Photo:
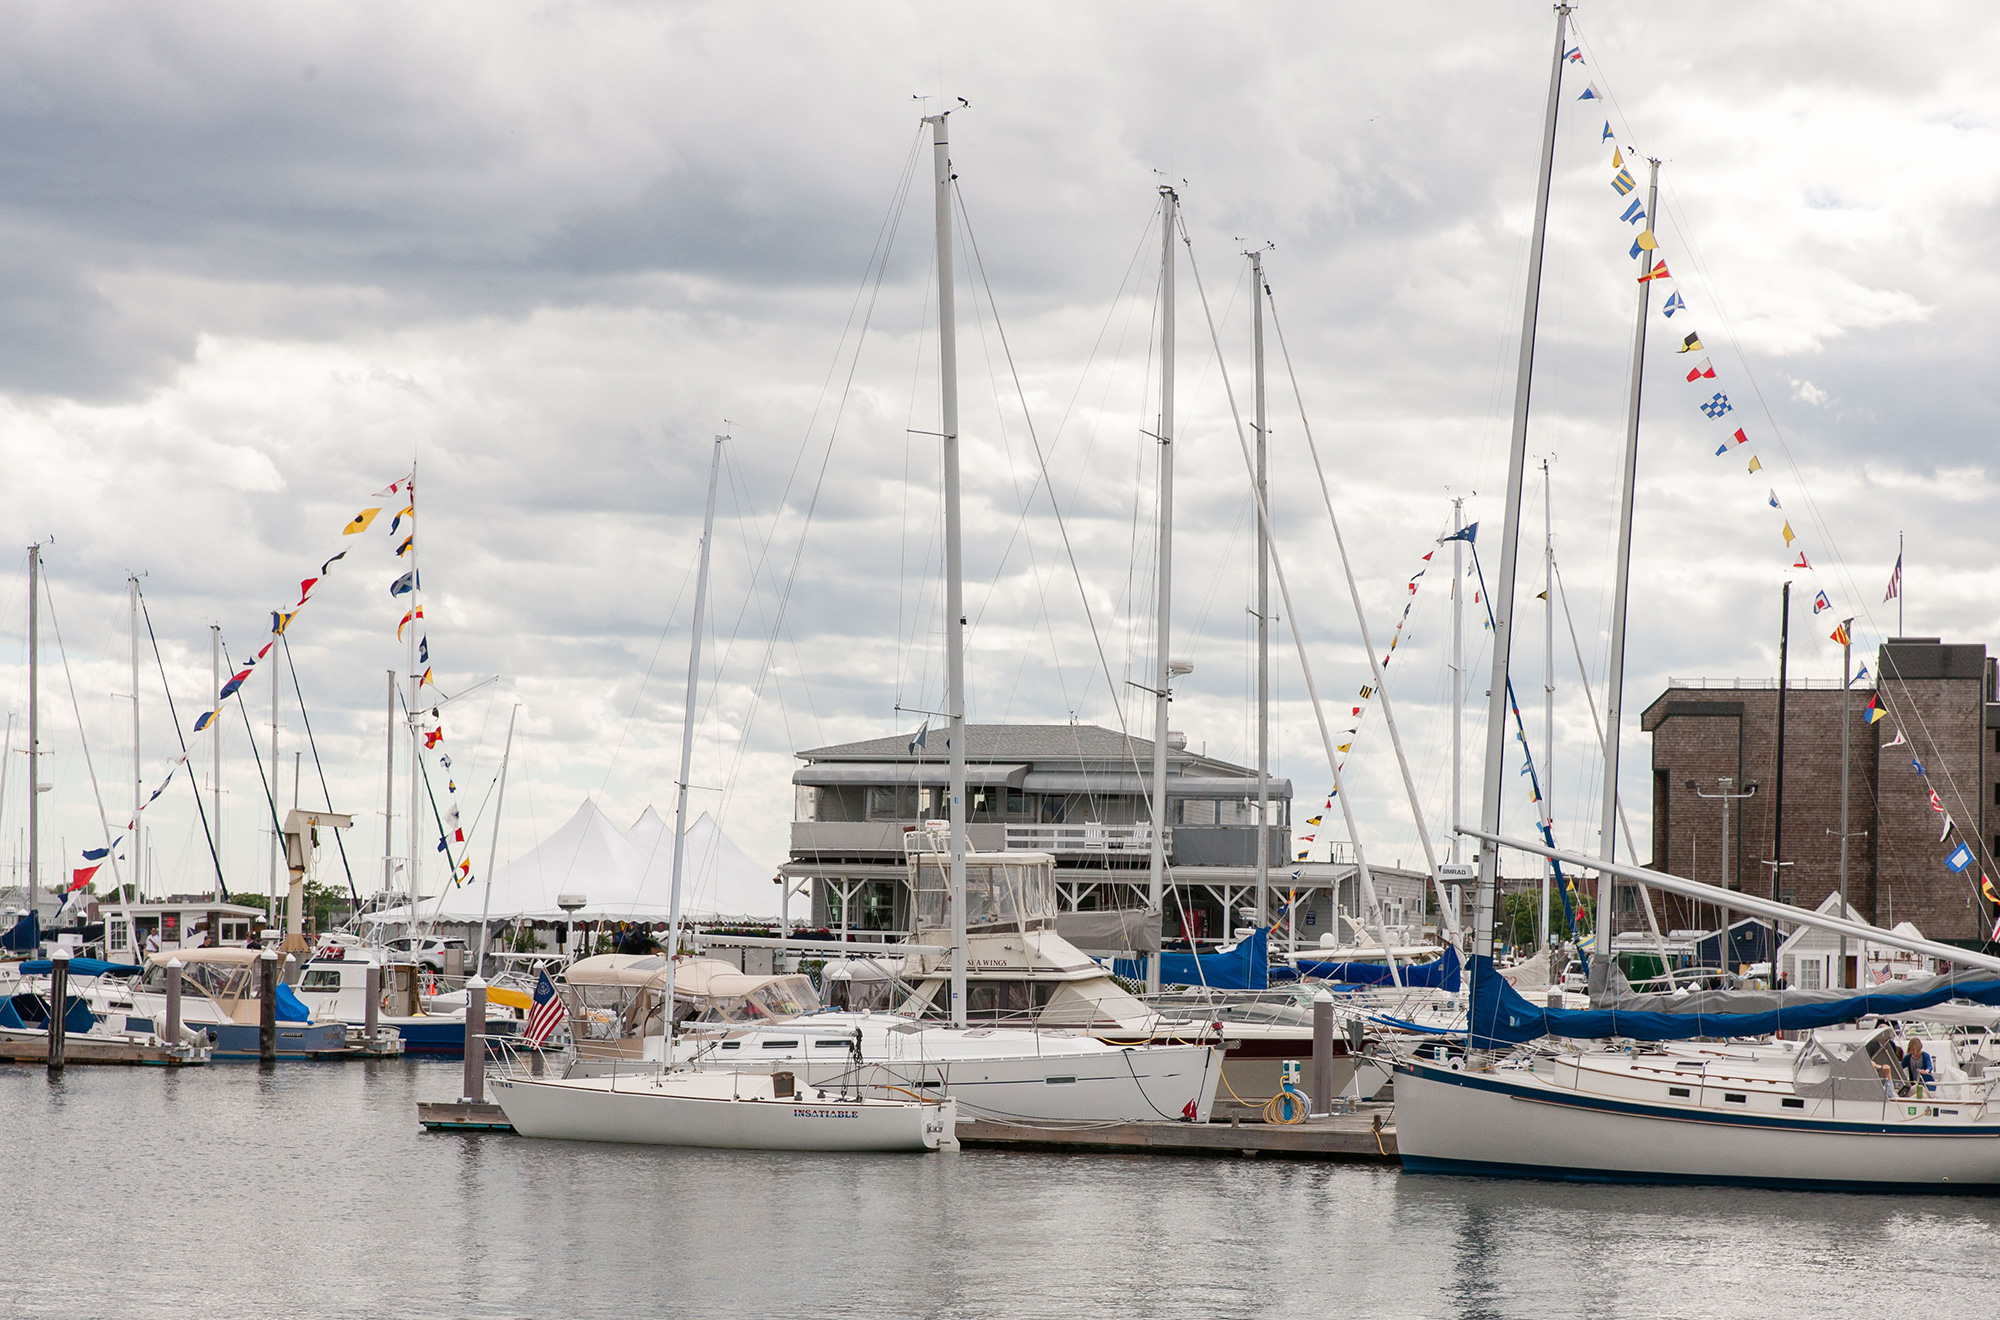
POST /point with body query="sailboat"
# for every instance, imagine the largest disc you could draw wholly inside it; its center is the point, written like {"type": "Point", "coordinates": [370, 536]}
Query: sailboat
{"type": "Point", "coordinates": [736, 1108]}
{"type": "Point", "coordinates": [1829, 1112]}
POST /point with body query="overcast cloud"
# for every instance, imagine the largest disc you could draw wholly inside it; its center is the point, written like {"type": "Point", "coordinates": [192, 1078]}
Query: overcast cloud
{"type": "Point", "coordinates": [257, 259]}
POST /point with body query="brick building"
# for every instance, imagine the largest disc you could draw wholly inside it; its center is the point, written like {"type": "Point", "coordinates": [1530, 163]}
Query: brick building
{"type": "Point", "coordinates": [1943, 699]}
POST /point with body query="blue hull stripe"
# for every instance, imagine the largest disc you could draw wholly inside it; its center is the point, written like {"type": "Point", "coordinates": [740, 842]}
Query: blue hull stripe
{"type": "Point", "coordinates": [1543, 1173]}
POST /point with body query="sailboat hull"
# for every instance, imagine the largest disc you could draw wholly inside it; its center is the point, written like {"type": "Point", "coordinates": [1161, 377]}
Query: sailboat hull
{"type": "Point", "coordinates": [1521, 1126]}
{"type": "Point", "coordinates": [705, 1111]}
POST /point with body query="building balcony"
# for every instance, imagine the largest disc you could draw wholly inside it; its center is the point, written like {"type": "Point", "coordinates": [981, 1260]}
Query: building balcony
{"type": "Point", "coordinates": [1066, 840]}
{"type": "Point", "coordinates": [851, 838]}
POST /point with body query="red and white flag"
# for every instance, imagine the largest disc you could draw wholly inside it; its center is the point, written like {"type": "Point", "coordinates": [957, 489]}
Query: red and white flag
{"type": "Point", "coordinates": [547, 1012]}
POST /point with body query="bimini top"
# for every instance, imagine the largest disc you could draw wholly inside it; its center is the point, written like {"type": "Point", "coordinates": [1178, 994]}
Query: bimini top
{"type": "Point", "coordinates": [80, 967]}
{"type": "Point", "coordinates": [207, 954]}
{"type": "Point", "coordinates": [617, 969]}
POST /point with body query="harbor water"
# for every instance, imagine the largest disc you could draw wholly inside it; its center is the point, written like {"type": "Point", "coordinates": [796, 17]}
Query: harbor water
{"type": "Point", "coordinates": [309, 1190]}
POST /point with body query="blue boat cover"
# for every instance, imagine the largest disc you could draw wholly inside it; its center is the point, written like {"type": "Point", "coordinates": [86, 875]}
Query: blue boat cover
{"type": "Point", "coordinates": [291, 1008]}
{"type": "Point", "coordinates": [80, 967]}
{"type": "Point", "coordinates": [1503, 1017]}
{"type": "Point", "coordinates": [1442, 973]}
{"type": "Point", "coordinates": [77, 1017]}
{"type": "Point", "coordinates": [25, 935]}
{"type": "Point", "coordinates": [1245, 967]}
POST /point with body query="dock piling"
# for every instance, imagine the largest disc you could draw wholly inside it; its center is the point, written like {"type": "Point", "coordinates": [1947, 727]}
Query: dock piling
{"type": "Point", "coordinates": [1322, 1083]}
{"type": "Point", "coordinates": [372, 1015]}
{"type": "Point", "coordinates": [267, 1006]}
{"type": "Point", "coordinates": [173, 1032]}
{"type": "Point", "coordinates": [475, 1041]}
{"type": "Point", "coordinates": [58, 1001]}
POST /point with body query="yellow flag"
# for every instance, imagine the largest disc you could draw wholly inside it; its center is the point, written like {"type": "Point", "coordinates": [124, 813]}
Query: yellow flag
{"type": "Point", "coordinates": [1346, 746]}
{"type": "Point", "coordinates": [360, 523]}
{"type": "Point", "coordinates": [1790, 536]}
{"type": "Point", "coordinates": [1755, 464]}
{"type": "Point", "coordinates": [1617, 159]}
{"type": "Point", "coordinates": [1647, 241]}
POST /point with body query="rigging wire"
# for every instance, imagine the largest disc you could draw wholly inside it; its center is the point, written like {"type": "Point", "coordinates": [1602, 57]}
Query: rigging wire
{"type": "Point", "coordinates": [173, 714]}
{"type": "Point", "coordinates": [313, 744]}
{"type": "Point", "coordinates": [34, 774]}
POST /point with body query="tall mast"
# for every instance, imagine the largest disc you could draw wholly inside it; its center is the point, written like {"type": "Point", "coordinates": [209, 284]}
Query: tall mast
{"type": "Point", "coordinates": [34, 721]}
{"type": "Point", "coordinates": [215, 746]}
{"type": "Point", "coordinates": [1846, 678]}
{"type": "Point", "coordinates": [1510, 533]}
{"type": "Point", "coordinates": [415, 862]}
{"type": "Point", "coordinates": [493, 846]}
{"type": "Point", "coordinates": [1778, 799]}
{"type": "Point", "coordinates": [687, 756]}
{"type": "Point", "coordinates": [138, 769]}
{"type": "Point", "coordinates": [277, 843]}
{"type": "Point", "coordinates": [389, 794]}
{"type": "Point", "coordinates": [1621, 585]}
{"type": "Point", "coordinates": [1163, 620]}
{"type": "Point", "coordinates": [954, 563]}
{"type": "Point", "coordinates": [1545, 806]}
{"type": "Point", "coordinates": [1457, 673]}
{"type": "Point", "coordinates": [1263, 607]}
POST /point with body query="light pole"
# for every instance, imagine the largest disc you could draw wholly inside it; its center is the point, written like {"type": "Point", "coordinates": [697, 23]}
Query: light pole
{"type": "Point", "coordinates": [1726, 797]}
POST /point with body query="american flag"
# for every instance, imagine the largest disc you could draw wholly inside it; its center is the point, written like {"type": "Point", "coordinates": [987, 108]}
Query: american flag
{"type": "Point", "coordinates": [547, 1013]}
{"type": "Point", "coordinates": [1895, 581]}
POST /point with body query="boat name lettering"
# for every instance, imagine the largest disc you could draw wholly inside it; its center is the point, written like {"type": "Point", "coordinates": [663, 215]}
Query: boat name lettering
{"type": "Point", "coordinates": [826, 1113]}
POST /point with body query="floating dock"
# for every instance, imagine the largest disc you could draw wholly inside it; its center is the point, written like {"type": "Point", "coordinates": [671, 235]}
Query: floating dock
{"type": "Point", "coordinates": [458, 1116]}
{"type": "Point", "coordinates": [1367, 1135]}
{"type": "Point", "coordinates": [94, 1050]}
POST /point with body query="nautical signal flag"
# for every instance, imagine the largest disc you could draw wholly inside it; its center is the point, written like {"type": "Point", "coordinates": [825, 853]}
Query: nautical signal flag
{"type": "Point", "coordinates": [282, 619]}
{"type": "Point", "coordinates": [404, 548]}
{"type": "Point", "coordinates": [205, 720]}
{"type": "Point", "coordinates": [1575, 56]}
{"type": "Point", "coordinates": [1986, 888]}
{"type": "Point", "coordinates": [416, 613]}
{"type": "Point", "coordinates": [1739, 437]}
{"type": "Point", "coordinates": [1658, 272]}
{"type": "Point", "coordinates": [1757, 465]}
{"type": "Point", "coordinates": [360, 523]}
{"type": "Point", "coordinates": [1961, 857]}
{"type": "Point", "coordinates": [80, 878]}
{"type": "Point", "coordinates": [1790, 535]}
{"type": "Point", "coordinates": [1841, 637]}
{"type": "Point", "coordinates": [1801, 561]}
{"type": "Point", "coordinates": [1716, 406]}
{"type": "Point", "coordinates": [1634, 212]}
{"type": "Point", "coordinates": [1820, 602]}
{"type": "Point", "coordinates": [1776, 505]}
{"type": "Point", "coordinates": [410, 511]}
{"type": "Point", "coordinates": [1702, 371]}
{"type": "Point", "coordinates": [1590, 93]}
{"type": "Point", "coordinates": [1898, 741]}
{"type": "Point", "coordinates": [1607, 132]}
{"type": "Point", "coordinates": [1692, 344]}
{"type": "Point", "coordinates": [403, 585]}
{"type": "Point", "coordinates": [433, 738]}
{"type": "Point", "coordinates": [1876, 710]}
{"type": "Point", "coordinates": [1617, 159]}
{"type": "Point", "coordinates": [1673, 304]}
{"type": "Point", "coordinates": [1644, 243]}
{"type": "Point", "coordinates": [235, 681]}
{"type": "Point", "coordinates": [1624, 182]}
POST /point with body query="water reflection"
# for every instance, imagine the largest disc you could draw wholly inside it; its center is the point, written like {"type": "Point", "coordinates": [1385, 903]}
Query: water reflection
{"type": "Point", "coordinates": [309, 1190]}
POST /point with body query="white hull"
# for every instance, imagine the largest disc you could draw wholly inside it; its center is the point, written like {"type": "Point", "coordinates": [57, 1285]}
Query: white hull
{"type": "Point", "coordinates": [713, 1111]}
{"type": "Point", "coordinates": [1514, 1124]}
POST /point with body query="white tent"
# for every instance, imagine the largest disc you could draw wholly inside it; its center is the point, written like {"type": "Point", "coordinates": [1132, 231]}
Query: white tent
{"type": "Point", "coordinates": [588, 856]}
{"type": "Point", "coordinates": [716, 876]}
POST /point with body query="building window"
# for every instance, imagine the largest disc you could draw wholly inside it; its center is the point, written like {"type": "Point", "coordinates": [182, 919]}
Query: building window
{"type": "Point", "coordinates": [1194, 811]}
{"type": "Point", "coordinates": [119, 936]}
{"type": "Point", "coordinates": [1809, 975]}
{"type": "Point", "coordinates": [805, 803]}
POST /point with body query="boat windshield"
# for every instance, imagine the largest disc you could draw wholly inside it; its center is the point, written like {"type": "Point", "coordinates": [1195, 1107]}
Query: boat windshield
{"type": "Point", "coordinates": [997, 894]}
{"type": "Point", "coordinates": [780, 997]}
{"type": "Point", "coordinates": [219, 980]}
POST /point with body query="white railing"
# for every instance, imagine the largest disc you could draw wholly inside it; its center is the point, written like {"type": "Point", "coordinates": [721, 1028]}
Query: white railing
{"type": "Point", "coordinates": [1085, 838]}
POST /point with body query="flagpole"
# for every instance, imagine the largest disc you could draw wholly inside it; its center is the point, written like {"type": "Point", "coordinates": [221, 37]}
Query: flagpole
{"type": "Point", "coordinates": [1621, 586]}
{"type": "Point", "coordinates": [1899, 585]}
{"type": "Point", "coordinates": [1778, 799]}
{"type": "Point", "coordinates": [1510, 535]}
{"type": "Point", "coordinates": [1548, 691]}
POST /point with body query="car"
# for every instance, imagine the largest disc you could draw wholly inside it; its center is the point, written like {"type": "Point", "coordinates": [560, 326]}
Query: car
{"type": "Point", "coordinates": [430, 956]}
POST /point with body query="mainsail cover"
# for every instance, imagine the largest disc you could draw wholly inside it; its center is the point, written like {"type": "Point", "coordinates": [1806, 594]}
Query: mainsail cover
{"type": "Point", "coordinates": [1502, 1016]}
{"type": "Point", "coordinates": [1441, 973]}
{"type": "Point", "coordinates": [1245, 967]}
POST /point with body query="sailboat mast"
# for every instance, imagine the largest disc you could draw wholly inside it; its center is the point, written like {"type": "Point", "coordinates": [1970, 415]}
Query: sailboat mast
{"type": "Point", "coordinates": [1457, 673]}
{"type": "Point", "coordinates": [1263, 606]}
{"type": "Point", "coordinates": [277, 843]}
{"type": "Point", "coordinates": [389, 791]}
{"type": "Point", "coordinates": [138, 774]}
{"type": "Point", "coordinates": [954, 562]}
{"type": "Point", "coordinates": [34, 721]}
{"type": "Point", "coordinates": [1621, 586]}
{"type": "Point", "coordinates": [1545, 806]}
{"type": "Point", "coordinates": [493, 845]}
{"type": "Point", "coordinates": [215, 747]}
{"type": "Point", "coordinates": [416, 730]}
{"type": "Point", "coordinates": [1510, 533]}
{"type": "Point", "coordinates": [1163, 614]}
{"type": "Point", "coordinates": [687, 756]}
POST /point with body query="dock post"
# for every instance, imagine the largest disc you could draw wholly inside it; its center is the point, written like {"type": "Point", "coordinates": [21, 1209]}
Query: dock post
{"type": "Point", "coordinates": [475, 1041]}
{"type": "Point", "coordinates": [290, 975]}
{"type": "Point", "coordinates": [58, 1002]}
{"type": "Point", "coordinates": [173, 1032]}
{"type": "Point", "coordinates": [372, 1016]}
{"type": "Point", "coordinates": [1322, 1083]}
{"type": "Point", "coordinates": [267, 1006]}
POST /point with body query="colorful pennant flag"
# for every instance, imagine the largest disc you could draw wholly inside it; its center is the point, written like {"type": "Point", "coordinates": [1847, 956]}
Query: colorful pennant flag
{"type": "Point", "coordinates": [1716, 406]}
{"type": "Point", "coordinates": [1757, 465]}
{"type": "Point", "coordinates": [1590, 93]}
{"type": "Point", "coordinates": [1692, 344]}
{"type": "Point", "coordinates": [1624, 182]}
{"type": "Point", "coordinates": [1800, 562]}
{"type": "Point", "coordinates": [1790, 535]}
{"type": "Point", "coordinates": [1876, 710]}
{"type": "Point", "coordinates": [1701, 371]}
{"type": "Point", "coordinates": [1673, 304]}
{"type": "Point", "coordinates": [360, 522]}
{"type": "Point", "coordinates": [1840, 637]}
{"type": "Point", "coordinates": [1658, 272]}
{"type": "Point", "coordinates": [1961, 857]}
{"type": "Point", "coordinates": [1820, 602]}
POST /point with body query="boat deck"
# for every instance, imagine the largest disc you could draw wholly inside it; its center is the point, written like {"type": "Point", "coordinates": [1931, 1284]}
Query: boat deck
{"type": "Point", "coordinates": [1368, 1135]}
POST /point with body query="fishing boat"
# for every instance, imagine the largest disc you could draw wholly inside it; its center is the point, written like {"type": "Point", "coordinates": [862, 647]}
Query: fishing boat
{"type": "Point", "coordinates": [335, 989]}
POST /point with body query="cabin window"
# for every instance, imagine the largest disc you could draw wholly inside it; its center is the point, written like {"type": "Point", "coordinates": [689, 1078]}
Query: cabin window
{"type": "Point", "coordinates": [320, 978]}
{"type": "Point", "coordinates": [781, 1044]}
{"type": "Point", "coordinates": [999, 999]}
{"type": "Point", "coordinates": [1059, 1081]}
{"type": "Point", "coordinates": [1735, 1099]}
{"type": "Point", "coordinates": [1680, 1091]}
{"type": "Point", "coordinates": [732, 1044]}
{"type": "Point", "coordinates": [830, 1044]}
{"type": "Point", "coordinates": [1792, 1102]}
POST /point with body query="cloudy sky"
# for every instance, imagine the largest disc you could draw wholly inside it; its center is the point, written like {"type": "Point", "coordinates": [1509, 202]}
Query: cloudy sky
{"type": "Point", "coordinates": [258, 261]}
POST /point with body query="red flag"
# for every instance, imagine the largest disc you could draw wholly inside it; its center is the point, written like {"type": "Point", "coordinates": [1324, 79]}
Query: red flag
{"type": "Point", "coordinates": [433, 738]}
{"type": "Point", "coordinates": [1802, 561]}
{"type": "Point", "coordinates": [82, 877]}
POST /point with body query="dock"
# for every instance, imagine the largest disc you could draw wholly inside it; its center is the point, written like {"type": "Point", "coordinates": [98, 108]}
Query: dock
{"type": "Point", "coordinates": [459, 1116]}
{"type": "Point", "coordinates": [1366, 1136]}
{"type": "Point", "coordinates": [92, 1050]}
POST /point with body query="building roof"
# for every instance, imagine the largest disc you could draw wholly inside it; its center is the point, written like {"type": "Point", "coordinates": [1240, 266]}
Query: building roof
{"type": "Point", "coordinates": [1044, 744]}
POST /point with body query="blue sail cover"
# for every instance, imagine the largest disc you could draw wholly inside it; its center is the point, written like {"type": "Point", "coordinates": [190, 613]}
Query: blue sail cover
{"type": "Point", "coordinates": [24, 936]}
{"type": "Point", "coordinates": [1503, 1017]}
{"type": "Point", "coordinates": [1441, 973]}
{"type": "Point", "coordinates": [80, 967]}
{"type": "Point", "coordinates": [291, 1008]}
{"type": "Point", "coordinates": [1245, 967]}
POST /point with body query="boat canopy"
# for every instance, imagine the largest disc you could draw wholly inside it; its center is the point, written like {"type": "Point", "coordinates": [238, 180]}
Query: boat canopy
{"type": "Point", "coordinates": [1442, 973]}
{"type": "Point", "coordinates": [1502, 1016]}
{"type": "Point", "coordinates": [80, 967]}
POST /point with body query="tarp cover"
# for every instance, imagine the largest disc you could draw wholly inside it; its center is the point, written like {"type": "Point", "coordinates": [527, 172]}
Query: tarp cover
{"type": "Point", "coordinates": [1245, 967]}
{"type": "Point", "coordinates": [1441, 973]}
{"type": "Point", "coordinates": [1502, 1016]}
{"type": "Point", "coordinates": [291, 1008]}
{"type": "Point", "coordinates": [80, 967]}
{"type": "Point", "coordinates": [25, 935]}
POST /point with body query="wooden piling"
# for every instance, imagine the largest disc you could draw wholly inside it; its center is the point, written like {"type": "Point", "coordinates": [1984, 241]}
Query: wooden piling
{"type": "Point", "coordinates": [58, 1001]}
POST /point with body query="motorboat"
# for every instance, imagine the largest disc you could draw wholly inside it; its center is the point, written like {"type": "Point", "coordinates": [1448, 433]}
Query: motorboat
{"type": "Point", "coordinates": [99, 1023]}
{"type": "Point", "coordinates": [221, 994]}
{"type": "Point", "coordinates": [615, 1001]}
{"type": "Point", "coordinates": [722, 1110]}
{"type": "Point", "coordinates": [335, 989]}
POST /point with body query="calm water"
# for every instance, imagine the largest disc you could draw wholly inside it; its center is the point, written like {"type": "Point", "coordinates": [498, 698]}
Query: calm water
{"type": "Point", "coordinates": [311, 1191]}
